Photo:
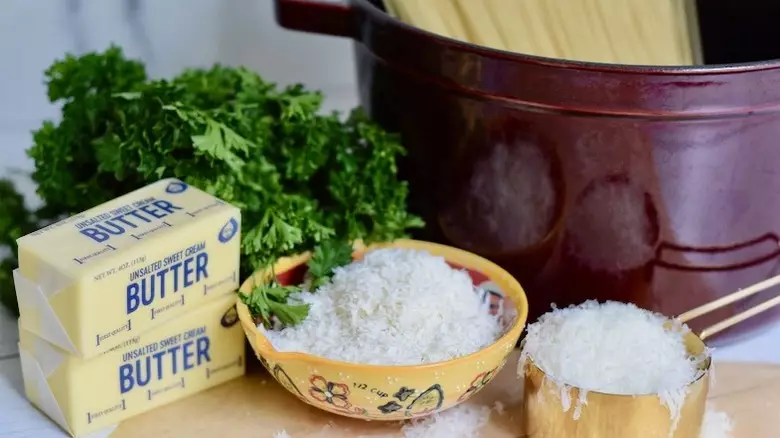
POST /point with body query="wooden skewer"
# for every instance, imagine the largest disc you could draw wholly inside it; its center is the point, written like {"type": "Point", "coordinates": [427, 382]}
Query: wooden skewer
{"type": "Point", "coordinates": [729, 299]}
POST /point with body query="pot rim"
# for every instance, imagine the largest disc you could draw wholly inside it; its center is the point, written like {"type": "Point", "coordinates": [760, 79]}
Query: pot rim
{"type": "Point", "coordinates": [702, 69]}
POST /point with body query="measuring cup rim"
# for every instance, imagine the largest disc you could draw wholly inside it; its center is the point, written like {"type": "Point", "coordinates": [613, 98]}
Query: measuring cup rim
{"type": "Point", "coordinates": [705, 368]}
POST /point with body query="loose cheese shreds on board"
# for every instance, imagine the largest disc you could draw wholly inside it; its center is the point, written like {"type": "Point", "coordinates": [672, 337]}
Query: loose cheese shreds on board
{"type": "Point", "coordinates": [393, 307]}
{"type": "Point", "coordinates": [282, 434]}
{"type": "Point", "coordinates": [464, 421]}
{"type": "Point", "coordinates": [716, 424]}
{"type": "Point", "coordinates": [613, 348]}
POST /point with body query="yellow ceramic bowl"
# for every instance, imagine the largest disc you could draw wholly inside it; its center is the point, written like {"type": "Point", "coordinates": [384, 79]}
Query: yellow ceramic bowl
{"type": "Point", "coordinates": [393, 392]}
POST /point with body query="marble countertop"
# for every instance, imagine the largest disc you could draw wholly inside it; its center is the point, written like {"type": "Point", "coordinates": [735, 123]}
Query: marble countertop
{"type": "Point", "coordinates": [168, 36]}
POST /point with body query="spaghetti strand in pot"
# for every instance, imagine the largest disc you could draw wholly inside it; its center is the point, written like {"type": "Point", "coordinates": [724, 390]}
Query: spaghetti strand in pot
{"type": "Point", "coordinates": [657, 32]}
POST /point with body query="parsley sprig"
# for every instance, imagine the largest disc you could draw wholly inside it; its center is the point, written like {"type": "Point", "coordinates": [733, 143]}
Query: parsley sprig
{"type": "Point", "coordinates": [325, 259]}
{"type": "Point", "coordinates": [272, 299]}
{"type": "Point", "coordinates": [300, 177]}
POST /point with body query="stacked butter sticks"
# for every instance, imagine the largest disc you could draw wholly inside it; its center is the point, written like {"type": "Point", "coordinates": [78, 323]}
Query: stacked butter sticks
{"type": "Point", "coordinates": [130, 305]}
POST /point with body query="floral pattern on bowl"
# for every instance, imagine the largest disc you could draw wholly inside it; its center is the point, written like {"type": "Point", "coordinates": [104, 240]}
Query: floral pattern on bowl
{"type": "Point", "coordinates": [395, 392]}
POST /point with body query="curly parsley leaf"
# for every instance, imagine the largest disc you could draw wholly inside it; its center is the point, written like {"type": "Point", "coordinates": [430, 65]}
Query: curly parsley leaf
{"type": "Point", "coordinates": [325, 259]}
{"type": "Point", "coordinates": [16, 220]}
{"type": "Point", "coordinates": [270, 299]}
{"type": "Point", "coordinates": [289, 314]}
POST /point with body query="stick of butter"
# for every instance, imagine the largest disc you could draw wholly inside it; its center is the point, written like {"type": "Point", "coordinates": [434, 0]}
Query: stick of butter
{"type": "Point", "coordinates": [94, 280]}
{"type": "Point", "coordinates": [194, 352]}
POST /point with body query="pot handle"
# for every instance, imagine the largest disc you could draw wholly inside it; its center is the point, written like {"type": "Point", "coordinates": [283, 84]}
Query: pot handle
{"type": "Point", "coordinates": [323, 17]}
{"type": "Point", "coordinates": [773, 252]}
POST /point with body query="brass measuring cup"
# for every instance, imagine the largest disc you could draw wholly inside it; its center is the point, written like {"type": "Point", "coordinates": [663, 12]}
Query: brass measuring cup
{"type": "Point", "coordinates": [632, 416]}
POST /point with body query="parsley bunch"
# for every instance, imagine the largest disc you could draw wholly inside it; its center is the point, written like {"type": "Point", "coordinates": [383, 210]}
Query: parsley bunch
{"type": "Point", "coordinates": [299, 176]}
{"type": "Point", "coordinates": [15, 222]}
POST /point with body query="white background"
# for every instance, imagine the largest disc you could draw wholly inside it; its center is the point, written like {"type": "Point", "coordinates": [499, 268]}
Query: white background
{"type": "Point", "coordinates": [168, 35]}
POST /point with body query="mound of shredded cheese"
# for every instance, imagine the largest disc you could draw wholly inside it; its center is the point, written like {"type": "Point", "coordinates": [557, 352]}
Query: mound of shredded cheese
{"type": "Point", "coordinates": [463, 421]}
{"type": "Point", "coordinates": [613, 348]}
{"type": "Point", "coordinates": [716, 424]}
{"type": "Point", "coordinates": [393, 307]}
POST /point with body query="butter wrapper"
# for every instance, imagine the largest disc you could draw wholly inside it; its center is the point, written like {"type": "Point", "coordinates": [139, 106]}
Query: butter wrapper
{"type": "Point", "coordinates": [99, 278]}
{"type": "Point", "coordinates": [201, 349]}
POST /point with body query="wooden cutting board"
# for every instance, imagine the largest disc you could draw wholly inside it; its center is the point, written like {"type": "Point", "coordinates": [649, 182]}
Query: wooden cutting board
{"type": "Point", "coordinates": [256, 407]}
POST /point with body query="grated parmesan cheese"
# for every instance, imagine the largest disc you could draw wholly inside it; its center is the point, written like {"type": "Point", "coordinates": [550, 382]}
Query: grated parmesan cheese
{"type": "Point", "coordinates": [463, 421]}
{"type": "Point", "coordinates": [393, 307]}
{"type": "Point", "coordinates": [716, 424]}
{"type": "Point", "coordinates": [282, 434]}
{"type": "Point", "coordinates": [612, 348]}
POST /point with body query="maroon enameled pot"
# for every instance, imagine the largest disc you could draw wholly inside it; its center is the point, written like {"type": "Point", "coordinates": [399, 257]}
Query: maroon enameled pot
{"type": "Point", "coordinates": [654, 185]}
